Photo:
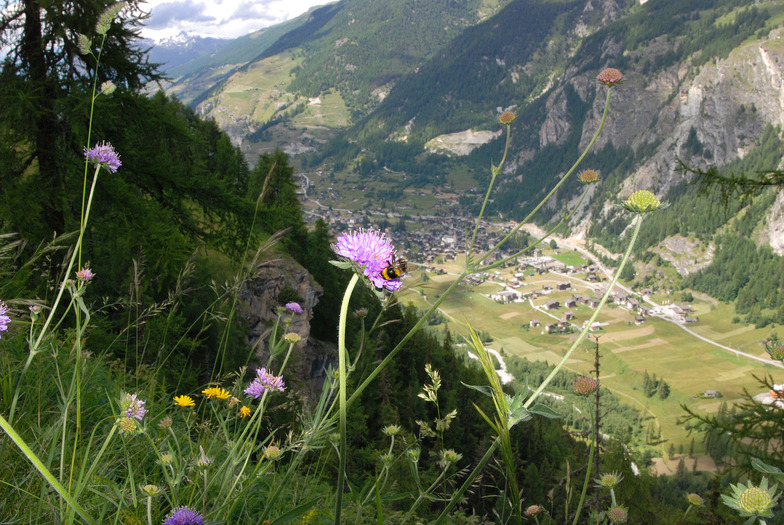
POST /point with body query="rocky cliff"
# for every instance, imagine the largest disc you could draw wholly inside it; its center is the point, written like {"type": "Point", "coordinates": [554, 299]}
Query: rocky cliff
{"type": "Point", "coordinates": [260, 305]}
{"type": "Point", "coordinates": [724, 104]}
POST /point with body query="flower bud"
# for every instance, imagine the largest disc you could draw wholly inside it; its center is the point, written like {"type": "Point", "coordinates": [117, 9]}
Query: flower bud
{"type": "Point", "coordinates": [610, 76]}
{"type": "Point", "coordinates": [292, 338]}
{"type": "Point", "coordinates": [584, 386]}
{"type": "Point", "coordinates": [589, 176]}
{"type": "Point", "coordinates": [506, 118]}
{"type": "Point", "coordinates": [272, 452]}
{"type": "Point", "coordinates": [617, 514]}
{"type": "Point", "coordinates": [391, 430]}
{"type": "Point", "coordinates": [151, 490]}
{"type": "Point", "coordinates": [533, 510]}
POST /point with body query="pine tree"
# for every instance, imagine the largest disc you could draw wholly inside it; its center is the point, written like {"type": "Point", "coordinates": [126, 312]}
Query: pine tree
{"type": "Point", "coordinates": [664, 390]}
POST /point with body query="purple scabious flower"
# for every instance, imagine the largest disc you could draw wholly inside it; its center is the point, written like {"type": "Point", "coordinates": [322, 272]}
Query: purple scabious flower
{"type": "Point", "coordinates": [372, 251]}
{"type": "Point", "coordinates": [85, 274]}
{"type": "Point", "coordinates": [183, 516]}
{"type": "Point", "coordinates": [264, 382]}
{"type": "Point", "coordinates": [294, 307]}
{"type": "Point", "coordinates": [4, 318]}
{"type": "Point", "coordinates": [104, 155]}
{"type": "Point", "coordinates": [133, 407]}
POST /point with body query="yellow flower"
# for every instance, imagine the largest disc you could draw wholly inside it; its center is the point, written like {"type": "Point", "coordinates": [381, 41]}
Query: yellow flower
{"type": "Point", "coordinates": [184, 401]}
{"type": "Point", "coordinates": [244, 411]}
{"type": "Point", "coordinates": [216, 391]}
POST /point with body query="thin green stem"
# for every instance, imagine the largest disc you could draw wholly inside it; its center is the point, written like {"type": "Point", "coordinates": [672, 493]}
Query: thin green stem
{"type": "Point", "coordinates": [560, 183]}
{"type": "Point", "coordinates": [468, 481]}
{"type": "Point", "coordinates": [422, 495]}
{"type": "Point", "coordinates": [590, 322]}
{"type": "Point", "coordinates": [71, 262]}
{"type": "Point", "coordinates": [20, 443]}
{"type": "Point", "coordinates": [495, 170]}
{"type": "Point", "coordinates": [342, 394]}
{"type": "Point", "coordinates": [585, 483]}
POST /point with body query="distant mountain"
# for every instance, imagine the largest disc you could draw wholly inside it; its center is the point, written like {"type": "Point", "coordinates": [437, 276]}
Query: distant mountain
{"type": "Point", "coordinates": [177, 50]}
{"type": "Point", "coordinates": [416, 87]}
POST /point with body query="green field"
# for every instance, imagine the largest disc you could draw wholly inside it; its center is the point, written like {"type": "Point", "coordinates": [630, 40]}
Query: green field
{"type": "Point", "coordinates": [688, 364]}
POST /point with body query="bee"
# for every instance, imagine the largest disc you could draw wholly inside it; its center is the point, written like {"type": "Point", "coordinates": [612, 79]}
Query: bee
{"type": "Point", "coordinates": [396, 268]}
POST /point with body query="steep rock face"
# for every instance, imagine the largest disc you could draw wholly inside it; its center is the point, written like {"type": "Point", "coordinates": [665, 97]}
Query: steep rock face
{"type": "Point", "coordinates": [259, 307]}
{"type": "Point", "coordinates": [774, 232]}
{"type": "Point", "coordinates": [725, 104]}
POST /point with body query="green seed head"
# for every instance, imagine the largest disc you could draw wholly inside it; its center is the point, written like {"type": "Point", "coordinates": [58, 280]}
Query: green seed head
{"type": "Point", "coordinates": [642, 201]}
{"type": "Point", "coordinates": [610, 480]}
{"type": "Point", "coordinates": [694, 499]}
{"type": "Point", "coordinates": [754, 500]}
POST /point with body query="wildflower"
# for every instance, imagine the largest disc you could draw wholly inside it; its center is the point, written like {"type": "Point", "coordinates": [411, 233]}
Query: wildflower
{"type": "Point", "coordinates": [387, 458]}
{"type": "Point", "coordinates": [233, 401]}
{"type": "Point", "coordinates": [133, 407]}
{"type": "Point", "coordinates": [244, 411]}
{"type": "Point", "coordinates": [449, 457]}
{"type": "Point", "coordinates": [108, 87]}
{"type": "Point", "coordinates": [360, 313]}
{"type": "Point", "coordinates": [216, 391]}
{"type": "Point", "coordinates": [589, 176]}
{"type": "Point", "coordinates": [184, 401]}
{"type": "Point", "coordinates": [272, 452]}
{"type": "Point", "coordinates": [183, 516]}
{"type": "Point", "coordinates": [84, 275]}
{"type": "Point", "coordinates": [292, 338]}
{"type": "Point", "coordinates": [533, 510]}
{"type": "Point", "coordinates": [127, 425]}
{"type": "Point", "coordinates": [264, 382]}
{"type": "Point", "coordinates": [609, 481]}
{"type": "Point", "coordinates": [506, 118]}
{"type": "Point", "coordinates": [151, 490]}
{"type": "Point", "coordinates": [752, 501]}
{"type": "Point", "coordinates": [391, 430]}
{"type": "Point", "coordinates": [413, 454]}
{"type": "Point", "coordinates": [109, 14]}
{"type": "Point", "coordinates": [642, 201]}
{"type": "Point", "coordinates": [694, 500]}
{"type": "Point", "coordinates": [617, 514]}
{"type": "Point", "coordinates": [583, 386]}
{"type": "Point", "coordinates": [166, 459]}
{"type": "Point", "coordinates": [4, 318]}
{"type": "Point", "coordinates": [610, 77]}
{"type": "Point", "coordinates": [372, 252]}
{"type": "Point", "coordinates": [103, 154]}
{"type": "Point", "coordinates": [165, 423]}
{"type": "Point", "coordinates": [294, 307]}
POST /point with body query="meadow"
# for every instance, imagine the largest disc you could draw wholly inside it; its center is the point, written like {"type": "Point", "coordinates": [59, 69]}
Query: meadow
{"type": "Point", "coordinates": [628, 350]}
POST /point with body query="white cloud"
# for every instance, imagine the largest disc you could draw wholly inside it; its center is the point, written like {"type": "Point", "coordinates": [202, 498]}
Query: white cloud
{"type": "Point", "coordinates": [220, 18]}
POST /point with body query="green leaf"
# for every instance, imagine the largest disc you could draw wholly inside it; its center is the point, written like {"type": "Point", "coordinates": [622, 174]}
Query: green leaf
{"type": "Point", "coordinates": [486, 390]}
{"type": "Point", "coordinates": [296, 512]}
{"type": "Point", "coordinates": [518, 414]}
{"type": "Point", "coordinates": [343, 265]}
{"type": "Point", "coordinates": [545, 411]}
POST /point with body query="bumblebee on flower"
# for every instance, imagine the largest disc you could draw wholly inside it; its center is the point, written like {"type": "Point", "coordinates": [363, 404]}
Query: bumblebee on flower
{"type": "Point", "coordinates": [372, 255]}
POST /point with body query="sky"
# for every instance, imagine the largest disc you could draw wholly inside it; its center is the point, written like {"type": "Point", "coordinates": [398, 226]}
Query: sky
{"type": "Point", "coordinates": [219, 18]}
